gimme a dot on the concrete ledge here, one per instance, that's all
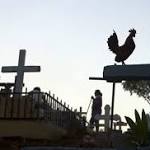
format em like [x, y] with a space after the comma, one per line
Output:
[34, 129]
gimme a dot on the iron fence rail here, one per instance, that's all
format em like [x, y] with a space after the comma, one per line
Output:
[36, 105]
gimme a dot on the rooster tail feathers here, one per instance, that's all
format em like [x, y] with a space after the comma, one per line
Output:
[113, 42]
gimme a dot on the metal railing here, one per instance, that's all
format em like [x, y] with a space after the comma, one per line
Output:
[36, 105]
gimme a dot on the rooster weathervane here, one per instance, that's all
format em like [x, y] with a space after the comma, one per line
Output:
[124, 51]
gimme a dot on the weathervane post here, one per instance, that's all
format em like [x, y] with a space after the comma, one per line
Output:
[112, 105]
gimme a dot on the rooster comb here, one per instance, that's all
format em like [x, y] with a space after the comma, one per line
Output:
[132, 31]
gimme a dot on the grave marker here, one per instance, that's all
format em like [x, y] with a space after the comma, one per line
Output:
[20, 70]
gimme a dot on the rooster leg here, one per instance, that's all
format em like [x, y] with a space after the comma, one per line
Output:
[123, 63]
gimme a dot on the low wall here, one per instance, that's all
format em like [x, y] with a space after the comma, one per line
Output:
[35, 129]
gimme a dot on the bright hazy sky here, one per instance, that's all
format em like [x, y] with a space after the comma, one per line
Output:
[68, 39]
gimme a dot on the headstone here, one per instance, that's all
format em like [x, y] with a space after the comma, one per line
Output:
[106, 117]
[20, 69]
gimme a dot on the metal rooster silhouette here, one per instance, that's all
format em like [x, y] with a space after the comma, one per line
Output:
[124, 51]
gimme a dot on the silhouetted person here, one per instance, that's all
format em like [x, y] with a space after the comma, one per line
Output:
[96, 109]
[6, 92]
[38, 101]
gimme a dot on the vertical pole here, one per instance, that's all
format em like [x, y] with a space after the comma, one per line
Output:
[89, 106]
[112, 113]
[112, 105]
[80, 112]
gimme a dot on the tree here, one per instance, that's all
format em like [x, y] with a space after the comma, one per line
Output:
[141, 88]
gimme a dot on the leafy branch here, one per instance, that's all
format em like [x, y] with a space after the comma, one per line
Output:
[141, 88]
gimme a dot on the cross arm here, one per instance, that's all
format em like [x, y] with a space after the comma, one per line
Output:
[32, 68]
[9, 69]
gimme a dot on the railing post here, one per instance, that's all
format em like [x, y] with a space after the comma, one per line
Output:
[25, 105]
[5, 107]
[107, 118]
[18, 104]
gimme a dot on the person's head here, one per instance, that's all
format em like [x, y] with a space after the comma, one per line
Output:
[98, 93]
[37, 89]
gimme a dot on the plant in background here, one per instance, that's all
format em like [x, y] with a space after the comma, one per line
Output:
[139, 131]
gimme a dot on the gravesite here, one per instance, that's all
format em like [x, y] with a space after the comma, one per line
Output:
[36, 119]
[103, 86]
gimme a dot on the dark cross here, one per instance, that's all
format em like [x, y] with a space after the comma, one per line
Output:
[20, 69]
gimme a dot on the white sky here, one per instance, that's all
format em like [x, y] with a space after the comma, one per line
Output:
[68, 39]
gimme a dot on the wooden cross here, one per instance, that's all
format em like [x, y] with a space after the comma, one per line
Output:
[20, 69]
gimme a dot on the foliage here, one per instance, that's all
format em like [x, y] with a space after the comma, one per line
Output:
[141, 88]
[139, 131]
